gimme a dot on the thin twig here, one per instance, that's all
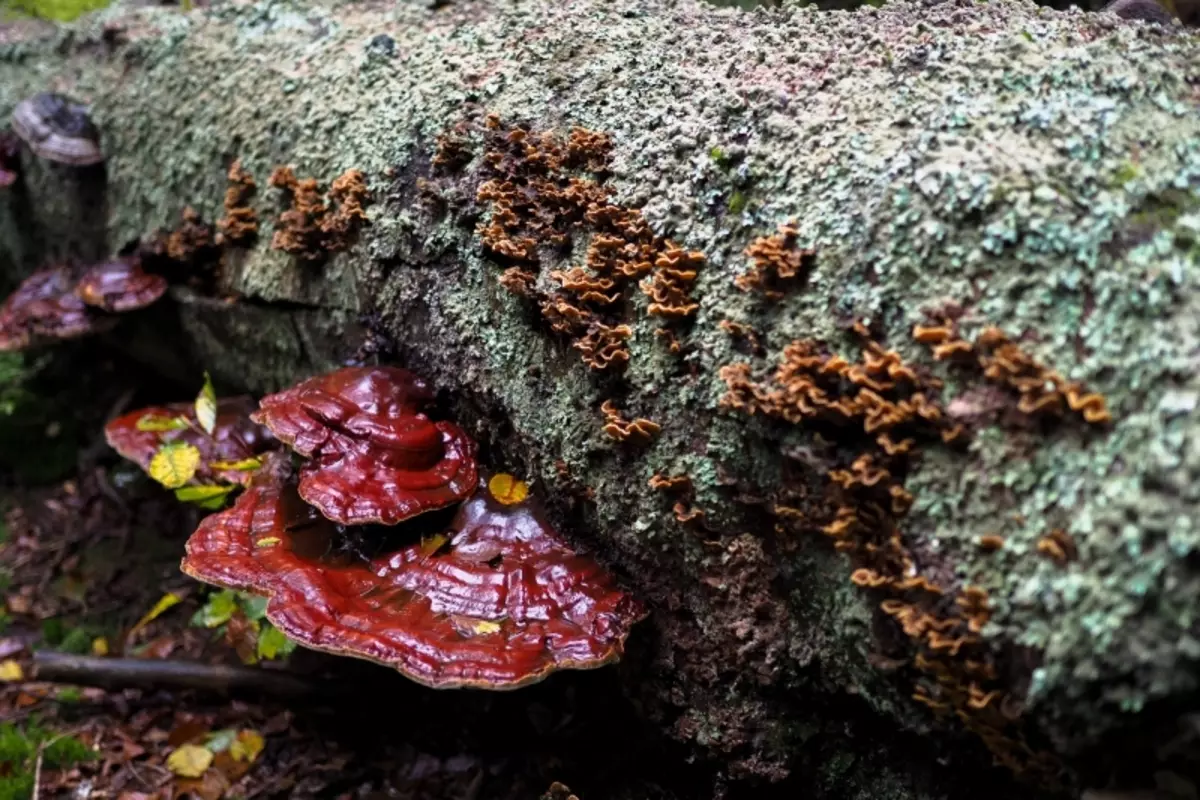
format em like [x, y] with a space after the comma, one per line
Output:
[37, 773]
[120, 673]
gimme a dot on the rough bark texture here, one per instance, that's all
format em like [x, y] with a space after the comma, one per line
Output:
[1039, 168]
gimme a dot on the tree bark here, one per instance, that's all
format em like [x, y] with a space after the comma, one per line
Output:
[1008, 165]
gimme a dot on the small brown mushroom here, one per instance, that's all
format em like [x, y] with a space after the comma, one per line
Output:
[58, 129]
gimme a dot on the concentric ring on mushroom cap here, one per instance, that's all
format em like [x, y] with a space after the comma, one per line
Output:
[501, 605]
[373, 456]
[58, 129]
[234, 437]
[120, 284]
[44, 306]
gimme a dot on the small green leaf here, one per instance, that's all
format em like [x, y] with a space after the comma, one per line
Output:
[219, 741]
[217, 611]
[151, 423]
[273, 644]
[206, 406]
[208, 497]
[255, 607]
[174, 464]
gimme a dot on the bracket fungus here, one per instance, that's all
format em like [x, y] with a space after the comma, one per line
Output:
[140, 434]
[58, 129]
[45, 307]
[373, 457]
[499, 602]
[120, 285]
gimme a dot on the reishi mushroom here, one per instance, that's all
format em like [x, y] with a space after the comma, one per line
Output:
[45, 306]
[372, 456]
[234, 438]
[120, 284]
[58, 129]
[500, 603]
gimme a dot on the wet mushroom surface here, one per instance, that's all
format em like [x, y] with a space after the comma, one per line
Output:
[500, 601]
[373, 456]
[120, 284]
[45, 307]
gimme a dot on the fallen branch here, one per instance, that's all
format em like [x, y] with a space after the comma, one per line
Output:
[123, 673]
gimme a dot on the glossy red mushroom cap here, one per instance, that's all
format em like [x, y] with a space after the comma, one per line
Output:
[44, 306]
[373, 456]
[501, 604]
[234, 438]
[120, 285]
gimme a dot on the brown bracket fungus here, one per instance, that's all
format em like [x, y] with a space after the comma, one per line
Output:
[499, 604]
[45, 307]
[373, 457]
[140, 434]
[58, 129]
[120, 285]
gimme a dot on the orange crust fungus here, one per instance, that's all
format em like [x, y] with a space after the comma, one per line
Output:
[497, 602]
[1041, 390]
[544, 197]
[778, 263]
[889, 407]
[639, 431]
[1058, 546]
[308, 228]
[239, 226]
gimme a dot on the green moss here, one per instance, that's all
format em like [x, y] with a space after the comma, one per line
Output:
[19, 748]
[737, 202]
[56, 10]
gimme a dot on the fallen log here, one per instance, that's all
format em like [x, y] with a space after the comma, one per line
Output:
[877, 381]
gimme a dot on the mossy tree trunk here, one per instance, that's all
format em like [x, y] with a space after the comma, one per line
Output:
[1000, 164]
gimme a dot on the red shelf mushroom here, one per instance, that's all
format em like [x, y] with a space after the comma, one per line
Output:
[373, 457]
[234, 438]
[44, 306]
[120, 285]
[499, 604]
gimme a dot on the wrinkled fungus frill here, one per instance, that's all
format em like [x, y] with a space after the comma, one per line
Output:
[501, 605]
[44, 307]
[373, 457]
[120, 285]
[234, 438]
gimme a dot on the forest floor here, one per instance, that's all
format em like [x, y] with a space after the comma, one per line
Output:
[89, 564]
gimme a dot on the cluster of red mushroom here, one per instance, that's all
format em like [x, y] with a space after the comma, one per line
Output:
[65, 303]
[497, 601]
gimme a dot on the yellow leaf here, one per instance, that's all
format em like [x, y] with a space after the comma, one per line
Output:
[431, 544]
[242, 465]
[507, 489]
[246, 746]
[206, 406]
[168, 600]
[11, 672]
[152, 423]
[99, 646]
[174, 464]
[190, 760]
